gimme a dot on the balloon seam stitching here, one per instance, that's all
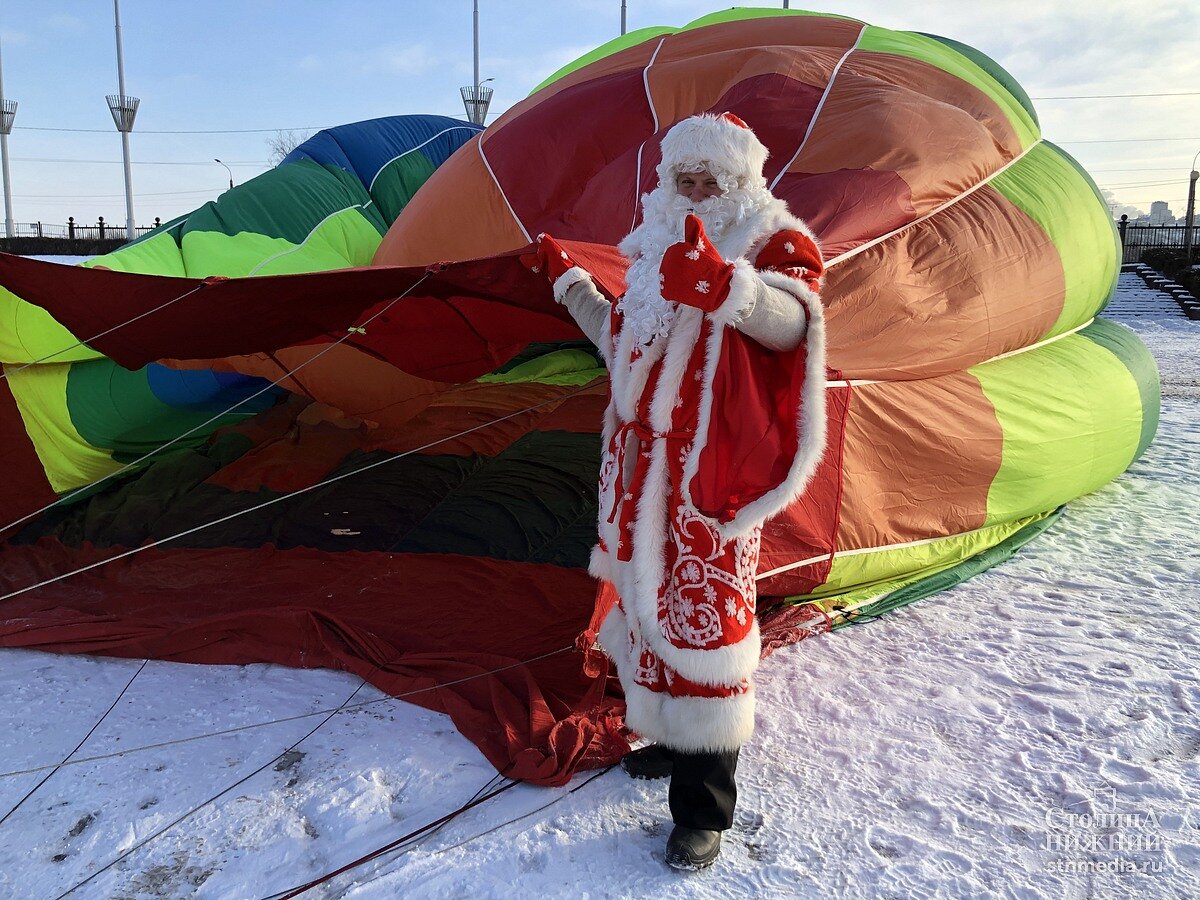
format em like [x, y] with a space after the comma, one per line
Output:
[820, 105]
[929, 215]
[375, 178]
[858, 551]
[503, 196]
[307, 237]
[637, 180]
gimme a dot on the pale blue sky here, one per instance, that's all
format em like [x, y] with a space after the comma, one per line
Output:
[237, 65]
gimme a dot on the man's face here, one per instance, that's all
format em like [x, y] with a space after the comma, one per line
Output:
[697, 186]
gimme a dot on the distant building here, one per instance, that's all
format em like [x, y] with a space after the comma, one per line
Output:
[1160, 214]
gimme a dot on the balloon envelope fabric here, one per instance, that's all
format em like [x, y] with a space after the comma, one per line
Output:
[973, 389]
[400, 514]
[326, 206]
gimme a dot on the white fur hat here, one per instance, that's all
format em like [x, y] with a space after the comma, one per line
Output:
[722, 144]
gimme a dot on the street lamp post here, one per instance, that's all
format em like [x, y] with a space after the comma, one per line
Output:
[227, 170]
[123, 109]
[476, 97]
[8, 112]
[622, 16]
[1191, 207]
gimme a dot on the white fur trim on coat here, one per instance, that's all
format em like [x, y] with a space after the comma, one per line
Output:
[572, 276]
[810, 423]
[691, 724]
[698, 724]
[743, 292]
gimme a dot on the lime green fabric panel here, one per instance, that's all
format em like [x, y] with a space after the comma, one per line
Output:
[1071, 415]
[1049, 189]
[876, 600]
[1129, 349]
[323, 209]
[69, 459]
[631, 39]
[946, 58]
[29, 333]
[155, 255]
[115, 409]
[396, 182]
[738, 14]
[287, 202]
[566, 367]
[858, 576]
[993, 68]
[344, 239]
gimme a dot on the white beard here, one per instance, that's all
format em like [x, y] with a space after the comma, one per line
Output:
[646, 313]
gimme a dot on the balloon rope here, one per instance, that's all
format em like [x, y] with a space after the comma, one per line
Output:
[288, 496]
[211, 799]
[407, 841]
[108, 331]
[91, 731]
[137, 462]
[319, 712]
[345, 706]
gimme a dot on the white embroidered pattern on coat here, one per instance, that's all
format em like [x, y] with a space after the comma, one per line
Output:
[702, 599]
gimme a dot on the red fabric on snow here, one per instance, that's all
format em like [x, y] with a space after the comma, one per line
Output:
[490, 643]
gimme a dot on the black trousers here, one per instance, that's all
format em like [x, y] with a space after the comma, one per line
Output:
[703, 792]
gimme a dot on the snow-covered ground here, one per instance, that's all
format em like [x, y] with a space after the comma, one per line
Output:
[1032, 733]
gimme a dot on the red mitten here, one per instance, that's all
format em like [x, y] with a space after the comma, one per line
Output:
[794, 254]
[550, 258]
[693, 272]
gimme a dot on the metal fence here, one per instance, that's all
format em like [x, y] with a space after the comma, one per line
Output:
[72, 232]
[1137, 239]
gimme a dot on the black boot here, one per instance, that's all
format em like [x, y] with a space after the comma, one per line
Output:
[649, 762]
[702, 797]
[692, 849]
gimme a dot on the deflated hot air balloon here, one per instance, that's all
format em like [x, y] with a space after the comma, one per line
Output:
[410, 494]
[974, 390]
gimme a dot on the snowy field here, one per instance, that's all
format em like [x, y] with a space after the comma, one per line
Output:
[1032, 733]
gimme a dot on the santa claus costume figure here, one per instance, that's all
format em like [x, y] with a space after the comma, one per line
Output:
[715, 422]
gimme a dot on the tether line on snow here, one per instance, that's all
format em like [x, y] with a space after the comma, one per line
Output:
[298, 717]
[211, 799]
[65, 761]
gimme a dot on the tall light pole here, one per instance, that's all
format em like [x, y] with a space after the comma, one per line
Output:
[227, 170]
[8, 112]
[123, 109]
[476, 97]
[622, 16]
[1191, 209]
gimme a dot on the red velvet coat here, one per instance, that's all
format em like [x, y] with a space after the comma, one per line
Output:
[707, 434]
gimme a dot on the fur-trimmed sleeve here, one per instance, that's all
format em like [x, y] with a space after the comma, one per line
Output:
[794, 254]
